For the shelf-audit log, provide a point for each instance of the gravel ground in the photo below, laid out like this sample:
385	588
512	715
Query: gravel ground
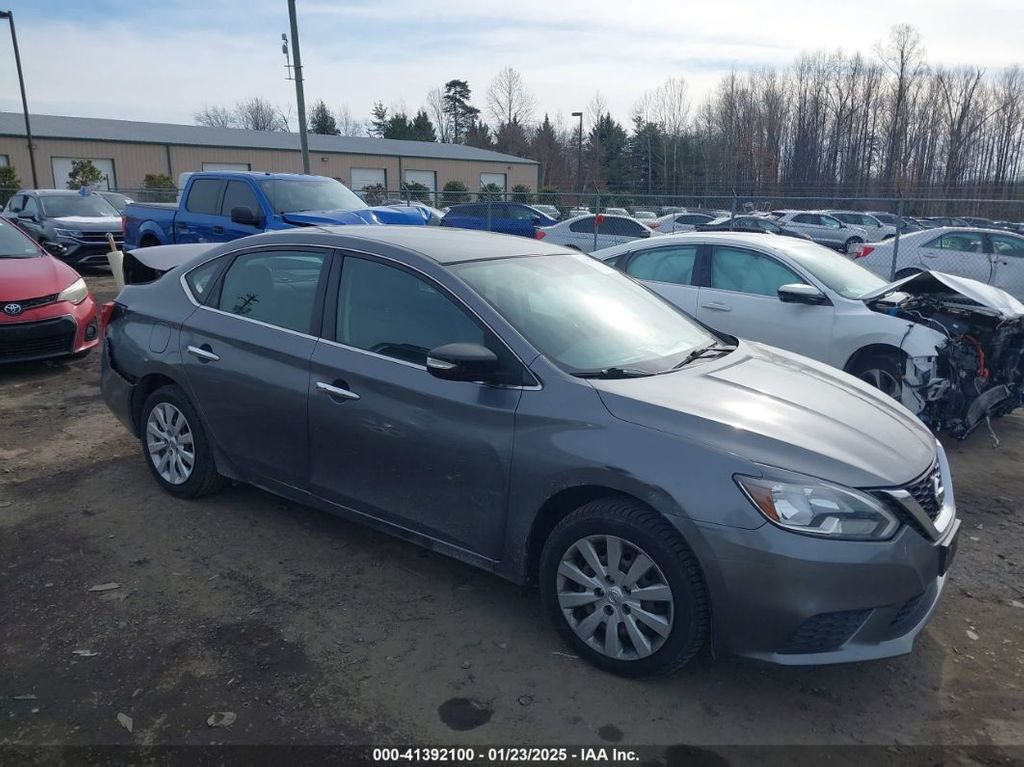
313	630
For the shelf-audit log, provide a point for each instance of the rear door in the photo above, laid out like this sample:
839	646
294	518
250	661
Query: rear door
742	300
198	218
668	271
961	253
246	354
392	441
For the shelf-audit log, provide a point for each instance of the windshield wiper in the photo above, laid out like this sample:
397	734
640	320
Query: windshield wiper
614	372
702	351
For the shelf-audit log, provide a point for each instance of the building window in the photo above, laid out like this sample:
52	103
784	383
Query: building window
427	178
226	166
4	161
61	167
364	177
498	179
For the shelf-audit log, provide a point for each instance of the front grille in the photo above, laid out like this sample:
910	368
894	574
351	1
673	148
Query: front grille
33	303
924	493
824	632
36	340
98	237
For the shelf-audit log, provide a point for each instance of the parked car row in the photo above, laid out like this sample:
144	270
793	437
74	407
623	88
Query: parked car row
583	433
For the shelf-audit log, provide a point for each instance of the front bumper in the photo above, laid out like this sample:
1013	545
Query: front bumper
794	599
59	329
87	252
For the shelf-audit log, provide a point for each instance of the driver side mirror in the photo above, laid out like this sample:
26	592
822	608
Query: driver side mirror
799	293
26	215
244	216
462	362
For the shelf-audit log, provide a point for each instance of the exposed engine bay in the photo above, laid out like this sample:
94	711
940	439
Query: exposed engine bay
977	372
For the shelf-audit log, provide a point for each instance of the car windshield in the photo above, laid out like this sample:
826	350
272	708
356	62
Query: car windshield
585	316
14	244
295	195
87	205
836	272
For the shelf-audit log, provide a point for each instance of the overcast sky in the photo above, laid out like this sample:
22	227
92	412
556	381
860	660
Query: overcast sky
134	59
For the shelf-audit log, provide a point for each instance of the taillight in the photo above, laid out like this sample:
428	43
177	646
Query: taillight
539	234
864	250
654	225
110	311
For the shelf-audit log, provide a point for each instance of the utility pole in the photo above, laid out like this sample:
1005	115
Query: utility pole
299	96
9	15
579	156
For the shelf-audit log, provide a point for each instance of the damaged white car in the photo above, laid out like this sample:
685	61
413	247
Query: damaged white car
949	348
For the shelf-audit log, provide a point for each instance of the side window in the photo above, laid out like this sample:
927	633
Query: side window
692	219
806	218
664	264
584	225
520	213
389	311
203	196
747	272
830	222
200	279
277	287
964	241
16	204
238	195
1007	246
31	206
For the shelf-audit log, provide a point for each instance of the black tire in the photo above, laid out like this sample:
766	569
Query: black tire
204	478
884	368
638	525
148	241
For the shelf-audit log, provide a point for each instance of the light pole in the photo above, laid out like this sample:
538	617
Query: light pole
9	15
579	156
299	96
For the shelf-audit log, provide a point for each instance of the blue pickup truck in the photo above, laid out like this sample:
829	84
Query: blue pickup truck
225	205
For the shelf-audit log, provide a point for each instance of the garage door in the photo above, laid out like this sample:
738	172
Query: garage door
62	170
426	177
498	179
364	177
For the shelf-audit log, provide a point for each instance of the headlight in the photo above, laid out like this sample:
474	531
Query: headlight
818	508
76	292
73	234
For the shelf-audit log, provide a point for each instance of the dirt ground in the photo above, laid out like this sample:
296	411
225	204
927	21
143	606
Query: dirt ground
313	630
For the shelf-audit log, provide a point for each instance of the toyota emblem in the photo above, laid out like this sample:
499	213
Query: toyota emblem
13	310
937	488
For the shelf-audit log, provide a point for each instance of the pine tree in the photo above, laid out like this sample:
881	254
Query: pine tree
322	120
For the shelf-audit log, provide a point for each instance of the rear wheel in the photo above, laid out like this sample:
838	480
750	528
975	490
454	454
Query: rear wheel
883	371
623	588
175	445
852	245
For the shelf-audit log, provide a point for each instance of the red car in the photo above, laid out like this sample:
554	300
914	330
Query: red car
45	306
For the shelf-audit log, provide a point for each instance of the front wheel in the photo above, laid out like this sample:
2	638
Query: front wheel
883	371
624	589
175	445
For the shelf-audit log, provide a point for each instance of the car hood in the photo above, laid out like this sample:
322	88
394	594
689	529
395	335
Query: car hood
88	223
779	409
22	278
381	215
927	282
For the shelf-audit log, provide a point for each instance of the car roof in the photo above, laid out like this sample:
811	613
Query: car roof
443	245
778	245
53	192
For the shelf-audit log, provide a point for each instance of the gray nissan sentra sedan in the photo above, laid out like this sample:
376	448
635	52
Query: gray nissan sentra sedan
534	412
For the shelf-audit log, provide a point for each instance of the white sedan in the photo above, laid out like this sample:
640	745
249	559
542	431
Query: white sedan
592	232
916	339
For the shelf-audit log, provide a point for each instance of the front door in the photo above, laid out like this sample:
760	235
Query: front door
388	439
742	300
198	216
247	357
960	253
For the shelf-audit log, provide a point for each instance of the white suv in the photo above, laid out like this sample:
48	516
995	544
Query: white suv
824	229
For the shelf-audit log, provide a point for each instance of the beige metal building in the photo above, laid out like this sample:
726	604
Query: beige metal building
126	151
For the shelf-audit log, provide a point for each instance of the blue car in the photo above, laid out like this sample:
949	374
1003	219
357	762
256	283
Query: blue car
505	217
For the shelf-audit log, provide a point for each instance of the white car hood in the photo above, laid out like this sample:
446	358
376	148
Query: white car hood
932	282
112	221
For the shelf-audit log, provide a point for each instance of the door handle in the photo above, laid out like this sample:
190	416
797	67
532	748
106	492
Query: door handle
182	225
717	306
218	230
204	353
336	391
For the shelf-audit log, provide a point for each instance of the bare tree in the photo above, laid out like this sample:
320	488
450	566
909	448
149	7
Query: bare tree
439	115
259	114
348	125
509	100
215	117
596	108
